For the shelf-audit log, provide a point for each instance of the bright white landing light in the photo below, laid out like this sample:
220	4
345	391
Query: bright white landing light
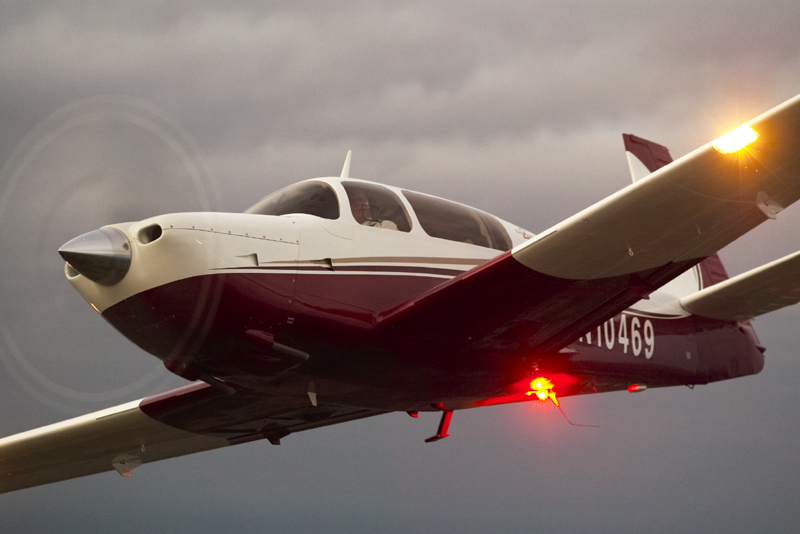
736	140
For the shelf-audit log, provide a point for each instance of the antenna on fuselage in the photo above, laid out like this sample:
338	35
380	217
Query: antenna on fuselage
570	422
346	168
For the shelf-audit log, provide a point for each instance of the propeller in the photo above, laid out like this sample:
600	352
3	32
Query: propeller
94	162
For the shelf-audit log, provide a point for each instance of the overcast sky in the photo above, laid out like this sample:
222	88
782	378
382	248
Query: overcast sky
114	112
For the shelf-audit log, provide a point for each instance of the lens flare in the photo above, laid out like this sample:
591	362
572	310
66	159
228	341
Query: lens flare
736	140
543	389
541	383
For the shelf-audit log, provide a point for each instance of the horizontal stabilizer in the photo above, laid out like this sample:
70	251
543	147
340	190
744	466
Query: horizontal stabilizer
764	289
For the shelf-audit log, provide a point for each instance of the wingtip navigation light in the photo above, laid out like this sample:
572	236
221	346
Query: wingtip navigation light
736	139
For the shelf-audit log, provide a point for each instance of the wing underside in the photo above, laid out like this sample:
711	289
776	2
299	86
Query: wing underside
192	419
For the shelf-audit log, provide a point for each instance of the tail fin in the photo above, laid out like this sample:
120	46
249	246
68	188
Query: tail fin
712	271
646	157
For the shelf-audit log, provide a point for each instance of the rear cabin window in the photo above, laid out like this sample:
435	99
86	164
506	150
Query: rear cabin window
312	198
448	220
374	205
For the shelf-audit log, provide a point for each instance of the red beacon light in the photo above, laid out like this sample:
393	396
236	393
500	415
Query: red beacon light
543	389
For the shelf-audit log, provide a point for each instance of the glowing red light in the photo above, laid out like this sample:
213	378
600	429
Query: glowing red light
543	389
541	383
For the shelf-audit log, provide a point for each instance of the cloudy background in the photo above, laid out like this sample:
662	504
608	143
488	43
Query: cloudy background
120	112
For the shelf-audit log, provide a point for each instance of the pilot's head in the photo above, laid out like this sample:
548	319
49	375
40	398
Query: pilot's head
359	205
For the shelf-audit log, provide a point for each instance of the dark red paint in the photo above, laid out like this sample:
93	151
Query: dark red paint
398	342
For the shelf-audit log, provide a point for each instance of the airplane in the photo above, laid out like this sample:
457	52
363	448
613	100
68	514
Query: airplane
337	299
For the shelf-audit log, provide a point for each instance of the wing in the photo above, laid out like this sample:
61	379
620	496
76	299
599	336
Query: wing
549	291
762	290
191	419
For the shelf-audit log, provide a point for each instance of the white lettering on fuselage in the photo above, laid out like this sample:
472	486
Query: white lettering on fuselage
640	337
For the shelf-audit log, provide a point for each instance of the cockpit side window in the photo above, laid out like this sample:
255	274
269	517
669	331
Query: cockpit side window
448	220
312	198
375	205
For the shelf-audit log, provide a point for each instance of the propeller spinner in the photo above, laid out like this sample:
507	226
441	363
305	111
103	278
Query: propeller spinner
103	256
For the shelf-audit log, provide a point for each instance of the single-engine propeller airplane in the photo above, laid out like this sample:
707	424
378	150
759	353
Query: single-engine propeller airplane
337	299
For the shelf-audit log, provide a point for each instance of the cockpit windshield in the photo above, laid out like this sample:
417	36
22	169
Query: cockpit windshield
312	198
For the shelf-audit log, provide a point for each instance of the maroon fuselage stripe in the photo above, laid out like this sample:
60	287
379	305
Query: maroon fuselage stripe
350	268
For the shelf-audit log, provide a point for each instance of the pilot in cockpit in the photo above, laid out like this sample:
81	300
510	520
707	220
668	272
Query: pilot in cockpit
366	211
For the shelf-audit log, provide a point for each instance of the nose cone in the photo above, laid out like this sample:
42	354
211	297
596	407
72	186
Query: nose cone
102	256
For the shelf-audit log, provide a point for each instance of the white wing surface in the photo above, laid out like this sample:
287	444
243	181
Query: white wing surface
120	438
686	210
190	419
756	292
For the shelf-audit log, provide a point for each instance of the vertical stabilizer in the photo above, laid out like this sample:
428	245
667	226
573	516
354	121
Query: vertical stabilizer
644	157
712	271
